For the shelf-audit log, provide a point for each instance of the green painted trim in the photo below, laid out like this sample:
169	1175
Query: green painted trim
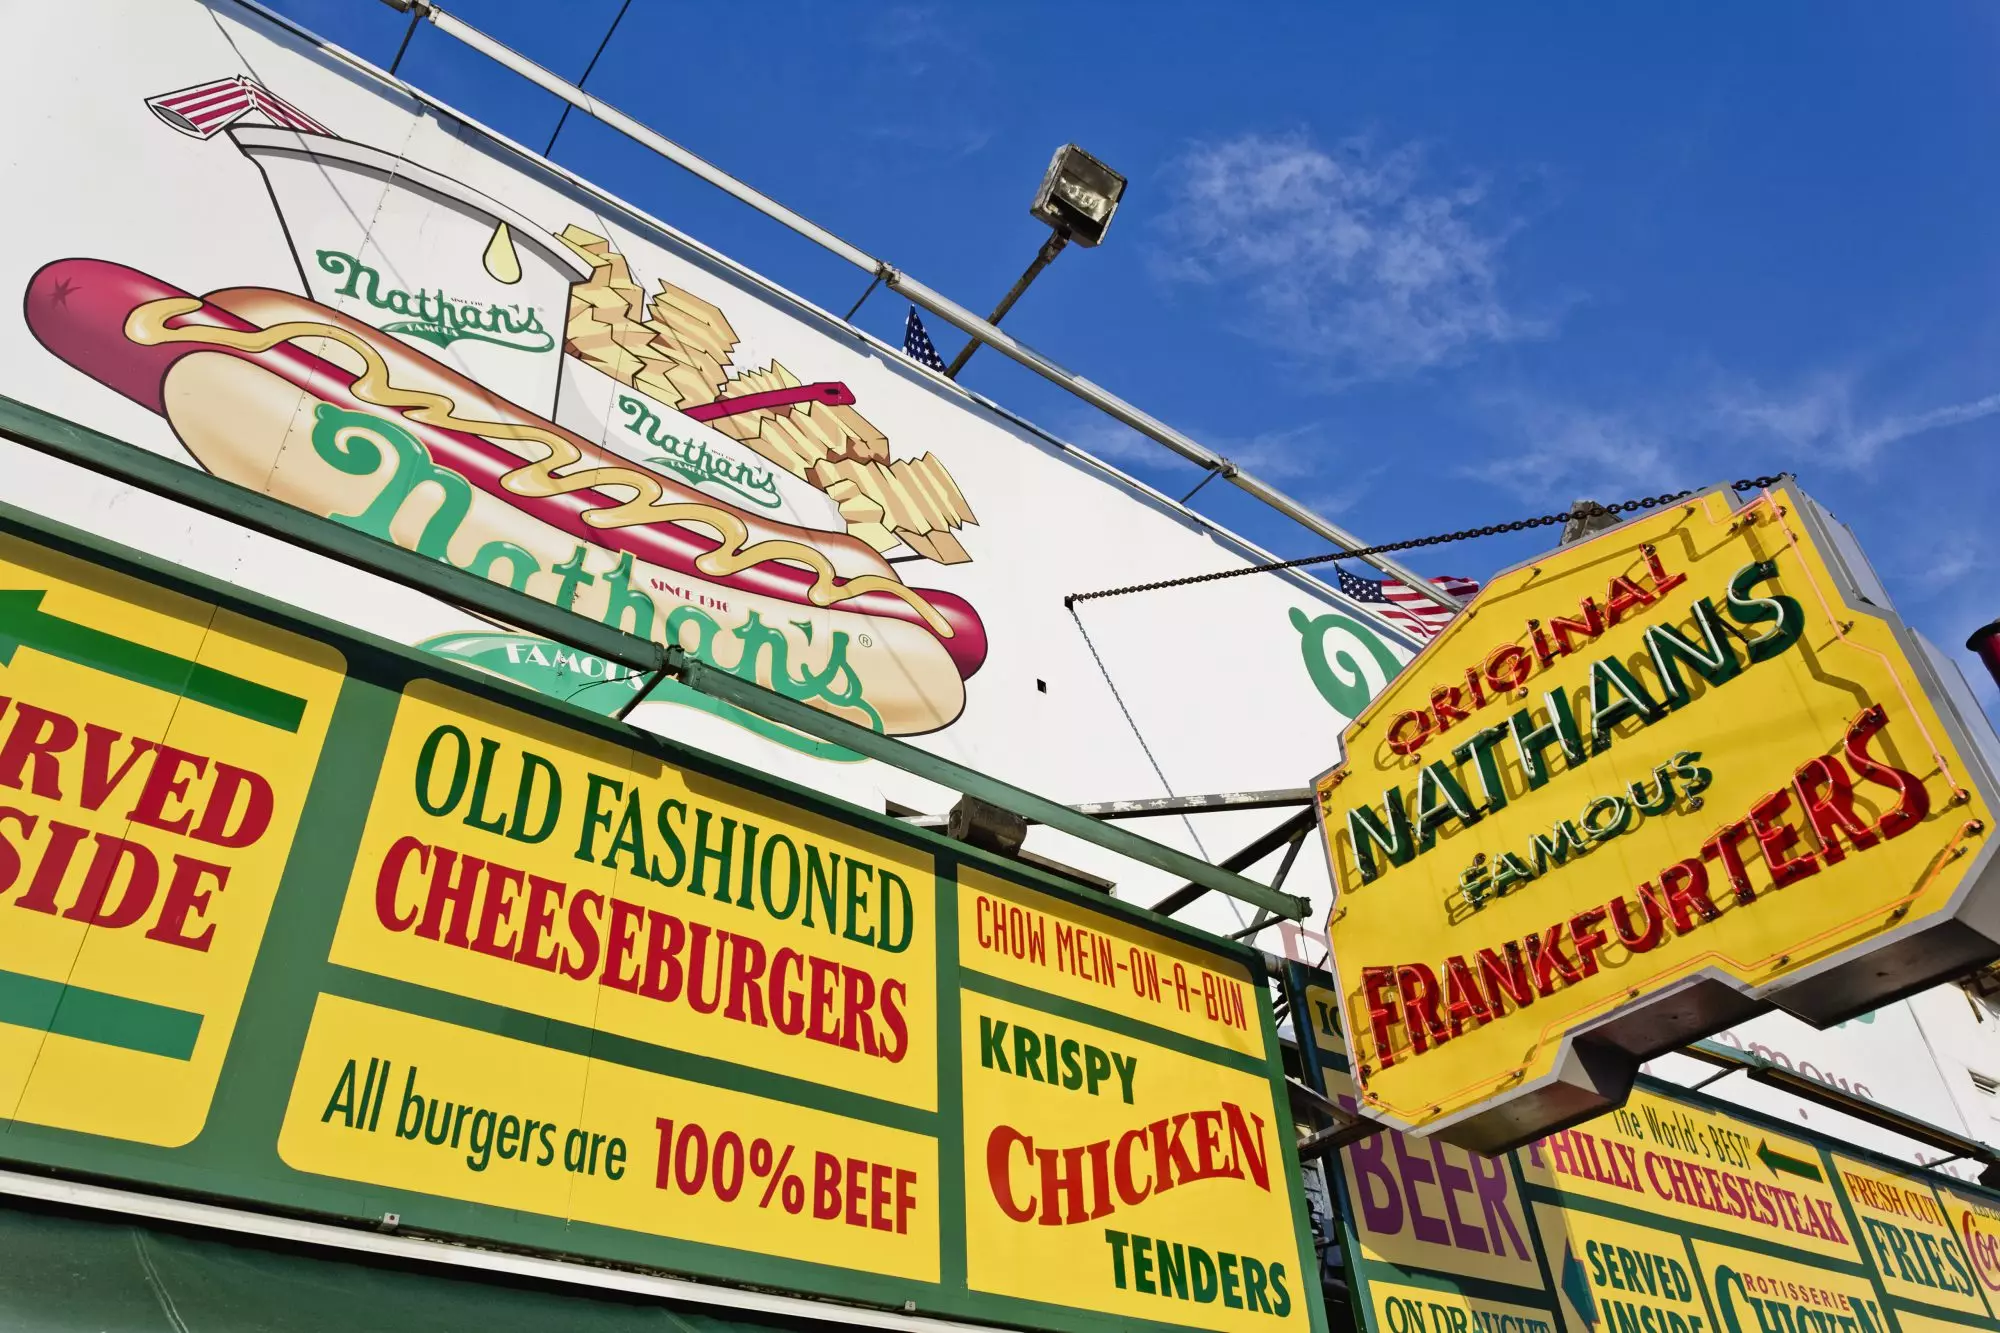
1624	1212
23	624
1485	1289
1978	1287
1701	1283
90	1015
1306	1258
950	1085
1061	1007
1543	1263
597	1044
1941	1313
1854	1225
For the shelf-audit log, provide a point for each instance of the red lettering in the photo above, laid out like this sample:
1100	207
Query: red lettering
1722	847
1586	933
1546	957
1686	887
1913	802
257	807
1401	739
388	881
1778	839
1826	794
37	737
1376	983
1507	668
1000	1145
537	918
165	782
186	898
1639	941
1419	988
140	886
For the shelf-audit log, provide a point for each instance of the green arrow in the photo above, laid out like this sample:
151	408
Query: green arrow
23	624
1775	1161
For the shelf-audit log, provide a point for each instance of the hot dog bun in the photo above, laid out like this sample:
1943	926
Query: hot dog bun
410	368
192	361
246	423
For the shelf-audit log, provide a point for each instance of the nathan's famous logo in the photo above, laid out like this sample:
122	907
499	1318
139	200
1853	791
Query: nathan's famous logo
693	459
503	476
434	316
1709	645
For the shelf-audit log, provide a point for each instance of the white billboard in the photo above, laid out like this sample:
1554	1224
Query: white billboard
252	254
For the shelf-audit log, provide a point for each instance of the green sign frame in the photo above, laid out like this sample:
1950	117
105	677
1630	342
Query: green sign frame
235	1157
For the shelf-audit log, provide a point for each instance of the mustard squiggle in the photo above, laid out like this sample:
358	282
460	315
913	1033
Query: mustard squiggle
147	326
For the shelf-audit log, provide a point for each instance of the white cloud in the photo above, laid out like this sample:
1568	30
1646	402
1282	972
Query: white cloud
1350	258
1274	455
1564	449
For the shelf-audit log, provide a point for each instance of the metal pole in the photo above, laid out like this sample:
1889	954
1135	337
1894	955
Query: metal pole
934	301
1043	257
563	119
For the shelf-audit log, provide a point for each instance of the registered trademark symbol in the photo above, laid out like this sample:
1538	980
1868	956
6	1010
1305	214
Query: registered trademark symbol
867	642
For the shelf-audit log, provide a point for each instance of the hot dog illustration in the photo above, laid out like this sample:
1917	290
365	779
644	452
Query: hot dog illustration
285	395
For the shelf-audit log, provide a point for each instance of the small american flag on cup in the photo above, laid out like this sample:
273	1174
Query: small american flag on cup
206	109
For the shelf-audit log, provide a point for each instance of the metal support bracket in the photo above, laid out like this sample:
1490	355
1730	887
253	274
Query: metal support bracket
719	684
1242	859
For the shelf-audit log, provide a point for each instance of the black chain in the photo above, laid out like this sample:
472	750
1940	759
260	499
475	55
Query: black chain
1440	539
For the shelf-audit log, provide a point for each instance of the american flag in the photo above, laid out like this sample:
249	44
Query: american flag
206	109
917	344
1405	607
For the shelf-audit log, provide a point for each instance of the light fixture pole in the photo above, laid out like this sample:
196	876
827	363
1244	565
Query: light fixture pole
1077	197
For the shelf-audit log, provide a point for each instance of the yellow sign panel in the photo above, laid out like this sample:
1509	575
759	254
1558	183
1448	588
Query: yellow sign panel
1682	751
1610	1274
516	861
1975	1220
1062	949
1691	1165
1908	1232
1323	1012
399	1100
1756	1293
155	753
1405	1309
1427	1204
1916	1323
1107	1173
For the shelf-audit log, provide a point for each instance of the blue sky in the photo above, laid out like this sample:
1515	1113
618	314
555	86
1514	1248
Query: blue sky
1425	267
